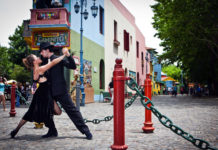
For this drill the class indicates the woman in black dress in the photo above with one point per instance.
(42, 106)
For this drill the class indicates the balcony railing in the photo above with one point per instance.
(51, 16)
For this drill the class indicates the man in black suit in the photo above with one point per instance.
(59, 90)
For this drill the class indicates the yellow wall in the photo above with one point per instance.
(155, 88)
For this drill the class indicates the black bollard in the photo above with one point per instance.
(78, 95)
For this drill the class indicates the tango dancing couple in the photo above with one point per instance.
(49, 73)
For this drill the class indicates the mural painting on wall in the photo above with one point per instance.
(76, 71)
(132, 74)
(47, 15)
(87, 72)
(59, 38)
(76, 59)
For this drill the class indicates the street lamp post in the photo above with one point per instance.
(94, 9)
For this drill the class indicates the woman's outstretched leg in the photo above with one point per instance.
(15, 131)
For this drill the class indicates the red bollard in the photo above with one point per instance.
(119, 110)
(148, 90)
(13, 112)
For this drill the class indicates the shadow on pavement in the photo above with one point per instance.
(32, 137)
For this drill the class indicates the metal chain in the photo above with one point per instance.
(97, 121)
(108, 118)
(19, 94)
(164, 120)
(22, 98)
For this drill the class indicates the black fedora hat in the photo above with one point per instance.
(46, 45)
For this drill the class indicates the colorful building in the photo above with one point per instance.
(155, 69)
(123, 39)
(111, 34)
(169, 82)
(93, 46)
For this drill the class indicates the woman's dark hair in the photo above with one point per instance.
(28, 61)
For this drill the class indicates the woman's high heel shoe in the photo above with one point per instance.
(13, 133)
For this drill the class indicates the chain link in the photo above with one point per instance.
(22, 98)
(127, 105)
(18, 94)
(140, 92)
(164, 120)
(109, 118)
(97, 121)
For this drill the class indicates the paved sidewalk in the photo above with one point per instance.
(197, 116)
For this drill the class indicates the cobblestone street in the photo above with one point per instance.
(197, 116)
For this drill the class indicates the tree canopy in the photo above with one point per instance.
(189, 33)
(18, 48)
(172, 71)
(5, 64)
(11, 65)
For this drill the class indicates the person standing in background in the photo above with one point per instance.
(3, 82)
(111, 88)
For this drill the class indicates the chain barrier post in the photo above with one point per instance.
(12, 111)
(119, 110)
(148, 122)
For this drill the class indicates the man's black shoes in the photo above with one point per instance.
(54, 133)
(88, 135)
(50, 134)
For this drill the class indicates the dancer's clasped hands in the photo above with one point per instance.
(65, 51)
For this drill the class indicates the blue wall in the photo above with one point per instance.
(91, 26)
(157, 68)
(169, 84)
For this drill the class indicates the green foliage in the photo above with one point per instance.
(172, 71)
(189, 33)
(20, 74)
(11, 65)
(5, 64)
(18, 47)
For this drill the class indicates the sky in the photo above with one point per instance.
(143, 14)
(13, 12)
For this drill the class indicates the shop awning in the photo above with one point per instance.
(168, 79)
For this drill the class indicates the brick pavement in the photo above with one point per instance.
(197, 116)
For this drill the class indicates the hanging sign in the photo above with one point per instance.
(59, 38)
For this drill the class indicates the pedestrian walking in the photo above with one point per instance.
(42, 106)
(164, 91)
(191, 91)
(59, 90)
(169, 90)
(182, 90)
(111, 89)
(174, 92)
